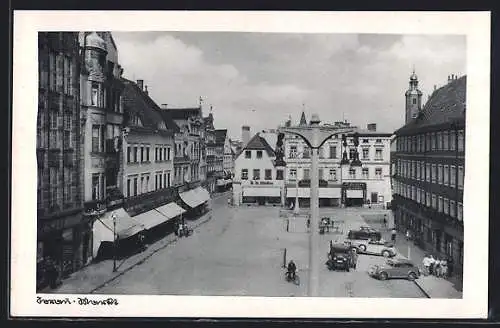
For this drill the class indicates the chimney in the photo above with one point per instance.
(449, 78)
(245, 135)
(371, 126)
(163, 106)
(146, 90)
(140, 84)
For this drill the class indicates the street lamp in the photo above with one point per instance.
(113, 216)
(315, 136)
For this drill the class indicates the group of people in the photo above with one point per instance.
(436, 266)
(180, 228)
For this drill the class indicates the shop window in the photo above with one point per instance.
(268, 174)
(256, 174)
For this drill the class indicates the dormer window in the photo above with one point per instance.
(161, 126)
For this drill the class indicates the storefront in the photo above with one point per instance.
(330, 196)
(303, 195)
(62, 243)
(262, 194)
(353, 193)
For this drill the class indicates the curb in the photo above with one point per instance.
(142, 260)
(421, 289)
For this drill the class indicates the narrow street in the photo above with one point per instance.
(240, 253)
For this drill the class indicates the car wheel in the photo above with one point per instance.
(362, 248)
(412, 276)
(354, 249)
(386, 253)
(383, 276)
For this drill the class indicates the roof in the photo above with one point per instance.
(446, 105)
(259, 143)
(220, 136)
(183, 112)
(136, 101)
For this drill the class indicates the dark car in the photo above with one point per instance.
(341, 257)
(364, 234)
(395, 268)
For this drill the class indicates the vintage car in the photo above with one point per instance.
(341, 257)
(364, 234)
(372, 247)
(395, 268)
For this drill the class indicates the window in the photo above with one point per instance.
(293, 152)
(414, 193)
(439, 141)
(446, 138)
(268, 174)
(378, 140)
(293, 174)
(160, 180)
(460, 212)
(141, 186)
(142, 154)
(333, 151)
(147, 153)
(378, 154)
(256, 174)
(165, 180)
(94, 100)
(460, 177)
(135, 154)
(452, 209)
(446, 204)
(248, 154)
(259, 153)
(453, 140)
(352, 153)
(168, 154)
(320, 174)
(418, 195)
(306, 175)
(352, 174)
(333, 175)
(418, 170)
(135, 186)
(279, 174)
(434, 201)
(453, 175)
(365, 173)
(306, 153)
(461, 140)
(440, 204)
(366, 153)
(168, 179)
(440, 173)
(428, 199)
(128, 188)
(433, 174)
(95, 138)
(414, 101)
(446, 175)
(164, 153)
(95, 187)
(433, 141)
(365, 140)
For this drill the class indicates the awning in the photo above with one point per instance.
(171, 210)
(302, 192)
(203, 194)
(126, 226)
(261, 192)
(151, 218)
(354, 193)
(329, 192)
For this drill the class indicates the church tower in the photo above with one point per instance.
(413, 99)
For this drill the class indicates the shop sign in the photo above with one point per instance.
(261, 182)
(354, 185)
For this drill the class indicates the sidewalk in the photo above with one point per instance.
(432, 286)
(96, 275)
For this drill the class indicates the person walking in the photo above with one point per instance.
(385, 221)
(437, 267)
(426, 263)
(444, 268)
(432, 262)
(408, 235)
(393, 235)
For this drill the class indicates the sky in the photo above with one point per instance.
(261, 79)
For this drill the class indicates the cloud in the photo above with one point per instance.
(259, 79)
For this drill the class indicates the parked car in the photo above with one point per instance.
(364, 234)
(367, 228)
(373, 247)
(395, 268)
(341, 257)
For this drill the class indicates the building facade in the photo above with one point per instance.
(223, 160)
(429, 172)
(257, 180)
(210, 153)
(62, 231)
(342, 180)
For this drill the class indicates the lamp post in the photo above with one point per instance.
(113, 216)
(315, 136)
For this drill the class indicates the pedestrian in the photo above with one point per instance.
(444, 268)
(427, 263)
(437, 267)
(308, 223)
(385, 220)
(393, 235)
(432, 262)
(408, 235)
(450, 266)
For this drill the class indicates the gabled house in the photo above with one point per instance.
(257, 180)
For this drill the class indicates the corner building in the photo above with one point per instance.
(428, 179)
